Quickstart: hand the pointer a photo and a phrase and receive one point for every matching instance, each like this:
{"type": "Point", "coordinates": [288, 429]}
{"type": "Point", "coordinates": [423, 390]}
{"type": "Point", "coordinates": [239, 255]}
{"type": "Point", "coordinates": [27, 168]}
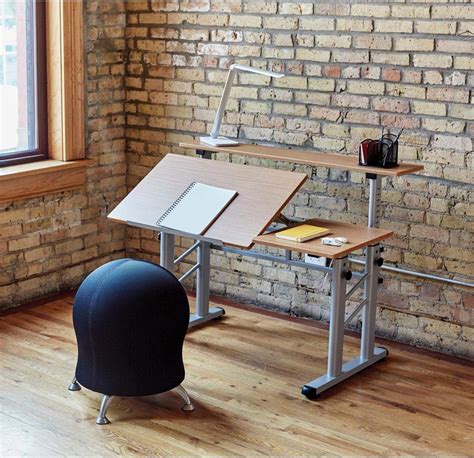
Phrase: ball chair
{"type": "Point", "coordinates": [130, 318]}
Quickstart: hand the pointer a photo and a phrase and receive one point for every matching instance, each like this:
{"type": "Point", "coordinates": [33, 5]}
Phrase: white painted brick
{"type": "Point", "coordinates": [316, 24]}
{"type": "Point", "coordinates": [432, 60]}
{"type": "Point", "coordinates": [393, 26]}
{"type": "Point", "coordinates": [370, 10]}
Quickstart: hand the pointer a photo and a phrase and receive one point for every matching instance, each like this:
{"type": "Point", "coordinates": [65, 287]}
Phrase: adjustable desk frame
{"type": "Point", "coordinates": [337, 371]}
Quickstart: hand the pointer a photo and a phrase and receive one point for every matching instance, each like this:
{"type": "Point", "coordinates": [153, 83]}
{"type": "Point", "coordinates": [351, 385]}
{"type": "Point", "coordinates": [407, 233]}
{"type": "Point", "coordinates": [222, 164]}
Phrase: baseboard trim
{"type": "Point", "coordinates": [37, 302]}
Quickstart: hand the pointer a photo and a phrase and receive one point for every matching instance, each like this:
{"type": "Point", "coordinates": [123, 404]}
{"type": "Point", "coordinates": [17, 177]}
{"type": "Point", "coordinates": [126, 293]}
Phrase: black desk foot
{"type": "Point", "coordinates": [309, 392]}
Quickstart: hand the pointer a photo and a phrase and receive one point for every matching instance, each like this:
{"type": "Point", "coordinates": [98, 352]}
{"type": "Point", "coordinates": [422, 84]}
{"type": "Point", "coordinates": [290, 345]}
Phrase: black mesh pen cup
{"type": "Point", "coordinates": [389, 151]}
{"type": "Point", "coordinates": [379, 153]}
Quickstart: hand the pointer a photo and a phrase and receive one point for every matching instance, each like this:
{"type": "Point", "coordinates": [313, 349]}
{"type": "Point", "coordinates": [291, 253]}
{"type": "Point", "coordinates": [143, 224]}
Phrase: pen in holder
{"type": "Point", "coordinates": [380, 153]}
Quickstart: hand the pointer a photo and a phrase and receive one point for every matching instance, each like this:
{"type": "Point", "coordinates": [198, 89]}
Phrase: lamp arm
{"type": "Point", "coordinates": [223, 102]}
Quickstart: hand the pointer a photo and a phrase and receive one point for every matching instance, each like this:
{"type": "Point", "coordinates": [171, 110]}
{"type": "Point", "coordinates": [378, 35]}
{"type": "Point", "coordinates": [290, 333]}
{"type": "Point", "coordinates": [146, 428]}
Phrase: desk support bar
{"type": "Point", "coordinates": [184, 255]}
{"type": "Point", "coordinates": [375, 188]}
{"type": "Point", "coordinates": [356, 286]}
{"type": "Point", "coordinates": [280, 259]}
{"type": "Point", "coordinates": [203, 312]}
{"type": "Point", "coordinates": [202, 279]}
{"type": "Point", "coordinates": [167, 251]}
{"type": "Point", "coordinates": [336, 324]}
{"type": "Point", "coordinates": [189, 272]}
{"type": "Point", "coordinates": [355, 312]}
{"type": "Point", "coordinates": [370, 310]}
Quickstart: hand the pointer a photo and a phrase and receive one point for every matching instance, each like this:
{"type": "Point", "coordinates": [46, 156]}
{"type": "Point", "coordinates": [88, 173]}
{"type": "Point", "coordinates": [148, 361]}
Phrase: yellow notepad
{"type": "Point", "coordinates": [302, 233]}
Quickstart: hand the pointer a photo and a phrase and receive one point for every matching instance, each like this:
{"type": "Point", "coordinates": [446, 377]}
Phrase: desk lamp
{"type": "Point", "coordinates": [214, 139]}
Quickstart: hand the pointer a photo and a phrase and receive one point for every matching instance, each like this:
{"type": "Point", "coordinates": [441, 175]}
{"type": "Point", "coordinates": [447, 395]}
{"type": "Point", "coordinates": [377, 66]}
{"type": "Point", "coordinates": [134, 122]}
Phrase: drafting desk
{"type": "Point", "coordinates": [369, 237]}
{"type": "Point", "coordinates": [258, 185]}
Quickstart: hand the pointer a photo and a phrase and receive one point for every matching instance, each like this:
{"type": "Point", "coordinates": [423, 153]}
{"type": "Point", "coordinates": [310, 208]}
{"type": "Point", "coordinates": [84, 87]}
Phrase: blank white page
{"type": "Point", "coordinates": [197, 208]}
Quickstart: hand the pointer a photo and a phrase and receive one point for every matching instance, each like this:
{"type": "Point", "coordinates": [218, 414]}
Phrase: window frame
{"type": "Point", "coordinates": [41, 95]}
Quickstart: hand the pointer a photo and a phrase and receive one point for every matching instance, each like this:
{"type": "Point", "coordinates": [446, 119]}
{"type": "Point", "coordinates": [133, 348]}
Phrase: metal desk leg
{"type": "Point", "coordinates": [375, 189]}
{"type": "Point", "coordinates": [336, 325]}
{"type": "Point", "coordinates": [167, 251]}
{"type": "Point", "coordinates": [203, 312]}
{"type": "Point", "coordinates": [368, 351]}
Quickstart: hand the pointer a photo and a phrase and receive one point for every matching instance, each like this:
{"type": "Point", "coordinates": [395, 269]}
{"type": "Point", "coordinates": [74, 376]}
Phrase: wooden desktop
{"type": "Point", "coordinates": [358, 237]}
{"type": "Point", "coordinates": [313, 158]}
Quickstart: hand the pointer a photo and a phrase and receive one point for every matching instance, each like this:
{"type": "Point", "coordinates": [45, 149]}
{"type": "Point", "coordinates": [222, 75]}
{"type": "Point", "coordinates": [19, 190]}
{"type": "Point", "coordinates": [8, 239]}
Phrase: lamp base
{"type": "Point", "coordinates": [219, 141]}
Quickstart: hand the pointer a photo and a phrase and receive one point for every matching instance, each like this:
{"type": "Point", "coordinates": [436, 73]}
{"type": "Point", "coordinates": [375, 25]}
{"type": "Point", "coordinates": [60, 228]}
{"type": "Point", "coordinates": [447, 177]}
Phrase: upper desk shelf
{"type": "Point", "coordinates": [313, 158]}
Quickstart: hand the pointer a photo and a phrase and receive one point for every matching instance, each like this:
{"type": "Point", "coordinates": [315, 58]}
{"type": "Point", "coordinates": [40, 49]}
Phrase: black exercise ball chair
{"type": "Point", "coordinates": [130, 319]}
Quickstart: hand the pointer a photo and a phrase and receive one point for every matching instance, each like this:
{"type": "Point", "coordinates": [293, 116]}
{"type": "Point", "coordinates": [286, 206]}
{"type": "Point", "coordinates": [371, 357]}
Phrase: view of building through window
{"type": "Point", "coordinates": [18, 130]}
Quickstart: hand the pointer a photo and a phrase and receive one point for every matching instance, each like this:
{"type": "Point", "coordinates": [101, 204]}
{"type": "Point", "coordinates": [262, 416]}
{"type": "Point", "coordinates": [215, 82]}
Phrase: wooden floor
{"type": "Point", "coordinates": [244, 373]}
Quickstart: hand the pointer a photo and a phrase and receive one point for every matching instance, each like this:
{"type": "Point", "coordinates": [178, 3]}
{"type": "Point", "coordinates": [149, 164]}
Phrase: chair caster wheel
{"type": "Point", "coordinates": [309, 392]}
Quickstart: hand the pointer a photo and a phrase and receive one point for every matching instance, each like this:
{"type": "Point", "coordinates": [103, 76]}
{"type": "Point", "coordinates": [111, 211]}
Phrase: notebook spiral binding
{"type": "Point", "coordinates": [175, 203]}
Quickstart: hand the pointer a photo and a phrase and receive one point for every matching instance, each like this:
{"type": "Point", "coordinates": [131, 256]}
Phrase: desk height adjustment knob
{"type": "Point", "coordinates": [348, 274]}
{"type": "Point", "coordinates": [380, 262]}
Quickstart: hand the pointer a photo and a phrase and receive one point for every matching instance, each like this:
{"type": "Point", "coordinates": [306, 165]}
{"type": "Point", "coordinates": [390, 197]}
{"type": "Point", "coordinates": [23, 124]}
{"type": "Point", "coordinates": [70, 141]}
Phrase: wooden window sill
{"type": "Point", "coordinates": [39, 178]}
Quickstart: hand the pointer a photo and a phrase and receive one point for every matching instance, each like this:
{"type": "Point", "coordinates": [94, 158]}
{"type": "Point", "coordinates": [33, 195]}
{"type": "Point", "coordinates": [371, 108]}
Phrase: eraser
{"type": "Point", "coordinates": [330, 241]}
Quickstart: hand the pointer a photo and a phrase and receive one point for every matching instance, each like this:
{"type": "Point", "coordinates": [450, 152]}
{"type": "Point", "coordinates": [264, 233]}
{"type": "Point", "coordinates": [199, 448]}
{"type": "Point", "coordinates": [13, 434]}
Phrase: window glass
{"type": "Point", "coordinates": [18, 77]}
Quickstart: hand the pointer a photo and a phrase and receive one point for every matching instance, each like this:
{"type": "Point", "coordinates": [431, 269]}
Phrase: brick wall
{"type": "Point", "coordinates": [50, 243]}
{"type": "Point", "coordinates": [352, 67]}
{"type": "Point", "coordinates": [155, 72]}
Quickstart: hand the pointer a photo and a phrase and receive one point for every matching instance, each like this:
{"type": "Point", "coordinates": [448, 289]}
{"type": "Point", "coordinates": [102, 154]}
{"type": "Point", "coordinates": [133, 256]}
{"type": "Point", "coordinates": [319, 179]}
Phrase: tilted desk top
{"type": "Point", "coordinates": [357, 236]}
{"type": "Point", "coordinates": [262, 195]}
{"type": "Point", "coordinates": [314, 158]}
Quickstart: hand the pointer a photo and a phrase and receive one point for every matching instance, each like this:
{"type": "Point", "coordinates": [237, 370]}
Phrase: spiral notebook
{"type": "Point", "coordinates": [196, 208]}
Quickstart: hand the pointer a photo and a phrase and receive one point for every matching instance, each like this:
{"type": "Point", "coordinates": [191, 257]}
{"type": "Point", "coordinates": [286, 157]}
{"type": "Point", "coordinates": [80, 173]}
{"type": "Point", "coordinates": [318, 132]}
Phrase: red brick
{"type": "Point", "coordinates": [391, 74]}
{"type": "Point", "coordinates": [332, 71]}
{"type": "Point", "coordinates": [391, 104]}
{"type": "Point", "coordinates": [468, 301]}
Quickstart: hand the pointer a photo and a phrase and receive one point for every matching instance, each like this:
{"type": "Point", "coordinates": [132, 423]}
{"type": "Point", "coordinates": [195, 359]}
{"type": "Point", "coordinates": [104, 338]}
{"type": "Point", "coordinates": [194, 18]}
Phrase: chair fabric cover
{"type": "Point", "coordinates": [130, 319]}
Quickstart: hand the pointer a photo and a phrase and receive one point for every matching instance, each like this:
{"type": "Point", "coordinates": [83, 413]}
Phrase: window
{"type": "Point", "coordinates": [23, 98]}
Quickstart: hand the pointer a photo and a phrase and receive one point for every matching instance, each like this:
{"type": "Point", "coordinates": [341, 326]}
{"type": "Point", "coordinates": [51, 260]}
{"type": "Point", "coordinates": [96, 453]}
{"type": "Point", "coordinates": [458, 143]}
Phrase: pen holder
{"type": "Point", "coordinates": [379, 153]}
